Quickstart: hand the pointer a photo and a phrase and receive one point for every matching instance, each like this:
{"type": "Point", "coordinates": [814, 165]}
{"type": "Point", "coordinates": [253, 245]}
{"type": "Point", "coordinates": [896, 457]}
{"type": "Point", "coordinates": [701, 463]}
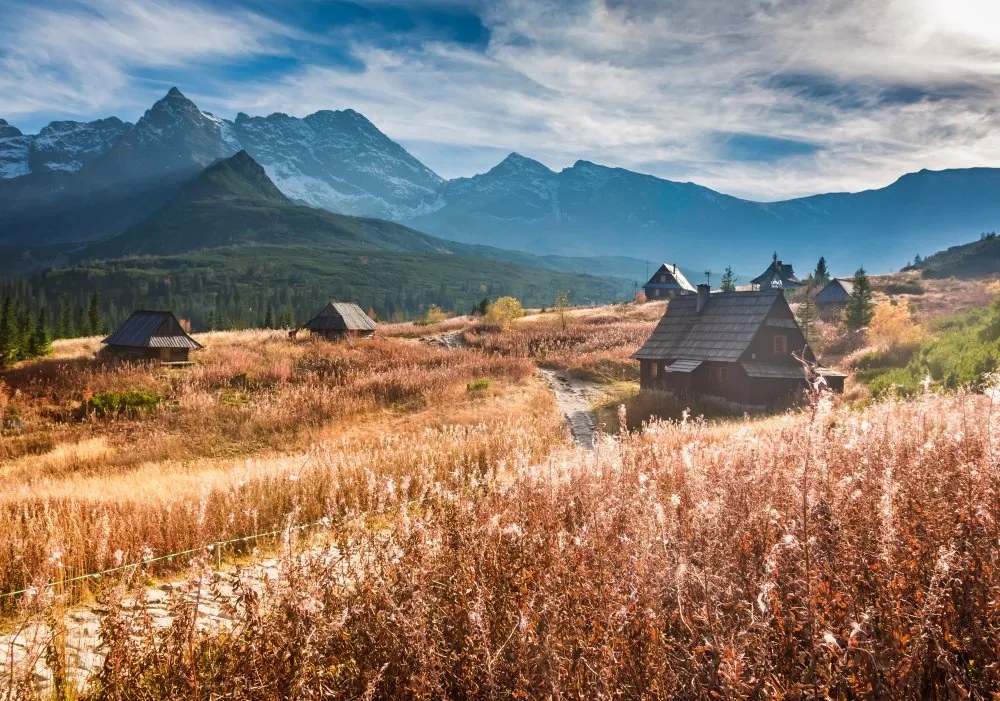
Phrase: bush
{"type": "Point", "coordinates": [481, 383]}
{"type": "Point", "coordinates": [904, 287]}
{"type": "Point", "coordinates": [505, 310]}
{"type": "Point", "coordinates": [129, 403]}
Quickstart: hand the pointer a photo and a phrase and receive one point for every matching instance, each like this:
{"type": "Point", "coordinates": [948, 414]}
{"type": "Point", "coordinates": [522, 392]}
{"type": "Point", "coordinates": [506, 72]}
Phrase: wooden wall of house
{"type": "Point", "coordinates": [762, 348]}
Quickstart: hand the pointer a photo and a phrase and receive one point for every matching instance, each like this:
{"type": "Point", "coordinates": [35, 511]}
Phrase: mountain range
{"type": "Point", "coordinates": [74, 183]}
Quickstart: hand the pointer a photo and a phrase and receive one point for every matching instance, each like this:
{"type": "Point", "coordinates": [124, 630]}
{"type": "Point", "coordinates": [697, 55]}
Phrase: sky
{"type": "Point", "coordinates": [765, 99]}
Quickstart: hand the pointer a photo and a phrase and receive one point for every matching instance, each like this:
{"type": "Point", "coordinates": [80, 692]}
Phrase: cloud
{"type": "Point", "coordinates": [76, 57]}
{"type": "Point", "coordinates": [765, 98]}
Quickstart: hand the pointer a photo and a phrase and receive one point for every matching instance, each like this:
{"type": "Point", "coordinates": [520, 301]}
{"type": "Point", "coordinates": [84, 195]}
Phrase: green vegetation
{"type": "Point", "coordinates": [904, 287]}
{"type": "Point", "coordinates": [821, 275]}
{"type": "Point", "coordinates": [24, 333]}
{"type": "Point", "coordinates": [860, 308]}
{"type": "Point", "coordinates": [966, 348]}
{"type": "Point", "coordinates": [971, 260]}
{"type": "Point", "coordinates": [234, 287]}
{"type": "Point", "coordinates": [481, 383]}
{"type": "Point", "coordinates": [129, 403]}
{"type": "Point", "coordinates": [728, 280]}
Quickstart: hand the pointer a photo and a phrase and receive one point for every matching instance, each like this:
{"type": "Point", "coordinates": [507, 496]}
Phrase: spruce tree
{"type": "Point", "coordinates": [8, 332]}
{"type": "Point", "coordinates": [821, 276]}
{"type": "Point", "coordinates": [860, 308]}
{"type": "Point", "coordinates": [269, 318]}
{"type": "Point", "coordinates": [728, 283]}
{"type": "Point", "coordinates": [41, 340]}
{"type": "Point", "coordinates": [807, 320]}
{"type": "Point", "coordinates": [94, 320]}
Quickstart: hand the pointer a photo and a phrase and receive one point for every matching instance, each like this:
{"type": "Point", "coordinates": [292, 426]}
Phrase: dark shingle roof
{"type": "Point", "coordinates": [341, 316]}
{"type": "Point", "coordinates": [148, 329]}
{"type": "Point", "coordinates": [835, 291]}
{"type": "Point", "coordinates": [790, 372]}
{"type": "Point", "coordinates": [722, 331]}
{"type": "Point", "coordinates": [675, 280]}
{"type": "Point", "coordinates": [777, 272]}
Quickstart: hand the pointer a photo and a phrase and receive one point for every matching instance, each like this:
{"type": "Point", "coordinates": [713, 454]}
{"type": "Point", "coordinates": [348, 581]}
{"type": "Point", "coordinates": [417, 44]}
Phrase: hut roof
{"type": "Point", "coordinates": [777, 272]}
{"type": "Point", "coordinates": [675, 279]}
{"type": "Point", "coordinates": [341, 316]}
{"type": "Point", "coordinates": [835, 291]}
{"type": "Point", "coordinates": [721, 331]}
{"type": "Point", "coordinates": [151, 329]}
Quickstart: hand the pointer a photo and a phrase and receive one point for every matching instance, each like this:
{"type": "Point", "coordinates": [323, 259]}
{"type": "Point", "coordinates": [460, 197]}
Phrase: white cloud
{"type": "Point", "coordinates": [882, 87]}
{"type": "Point", "coordinates": [81, 57]}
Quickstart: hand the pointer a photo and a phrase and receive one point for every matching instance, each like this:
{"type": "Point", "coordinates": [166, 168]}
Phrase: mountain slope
{"type": "Point", "coordinates": [594, 210]}
{"type": "Point", "coordinates": [978, 259]}
{"type": "Point", "coordinates": [233, 202]}
{"type": "Point", "coordinates": [339, 161]}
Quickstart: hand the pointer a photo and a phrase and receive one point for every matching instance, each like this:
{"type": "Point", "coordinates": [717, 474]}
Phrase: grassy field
{"type": "Point", "coordinates": [841, 550]}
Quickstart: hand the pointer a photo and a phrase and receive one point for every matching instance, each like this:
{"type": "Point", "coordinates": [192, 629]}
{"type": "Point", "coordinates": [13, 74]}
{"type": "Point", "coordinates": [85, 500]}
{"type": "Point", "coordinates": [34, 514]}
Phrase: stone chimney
{"type": "Point", "coordinates": [703, 291]}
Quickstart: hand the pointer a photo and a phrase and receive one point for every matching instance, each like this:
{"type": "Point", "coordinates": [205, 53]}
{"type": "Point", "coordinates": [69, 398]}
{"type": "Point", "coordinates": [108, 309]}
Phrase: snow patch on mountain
{"type": "Point", "coordinates": [13, 151]}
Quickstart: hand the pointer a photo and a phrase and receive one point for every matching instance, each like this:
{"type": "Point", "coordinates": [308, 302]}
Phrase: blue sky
{"type": "Point", "coordinates": [763, 98]}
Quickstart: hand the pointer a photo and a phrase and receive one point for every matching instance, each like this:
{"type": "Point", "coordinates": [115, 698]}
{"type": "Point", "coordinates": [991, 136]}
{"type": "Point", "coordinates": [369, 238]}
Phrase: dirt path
{"type": "Point", "coordinates": [573, 396]}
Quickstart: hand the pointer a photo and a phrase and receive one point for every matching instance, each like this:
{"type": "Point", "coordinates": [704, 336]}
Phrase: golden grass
{"type": "Point", "coordinates": [819, 554]}
{"type": "Point", "coordinates": [214, 459]}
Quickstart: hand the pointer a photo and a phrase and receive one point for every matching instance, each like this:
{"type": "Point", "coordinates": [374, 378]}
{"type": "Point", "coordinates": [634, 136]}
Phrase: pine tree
{"type": "Point", "coordinates": [64, 327]}
{"type": "Point", "coordinates": [94, 320]}
{"type": "Point", "coordinates": [858, 313]}
{"type": "Point", "coordinates": [269, 318]}
{"type": "Point", "coordinates": [41, 340]}
{"type": "Point", "coordinates": [728, 283]}
{"type": "Point", "coordinates": [807, 320]}
{"type": "Point", "coordinates": [7, 333]}
{"type": "Point", "coordinates": [822, 274]}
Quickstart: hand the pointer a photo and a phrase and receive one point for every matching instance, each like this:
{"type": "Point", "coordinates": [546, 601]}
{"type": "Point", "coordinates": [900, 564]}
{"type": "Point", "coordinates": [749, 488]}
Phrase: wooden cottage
{"type": "Point", "coordinates": [778, 276]}
{"type": "Point", "coordinates": [831, 300]}
{"type": "Point", "coordinates": [151, 335]}
{"type": "Point", "coordinates": [340, 319]}
{"type": "Point", "coordinates": [733, 346]}
{"type": "Point", "coordinates": [668, 282]}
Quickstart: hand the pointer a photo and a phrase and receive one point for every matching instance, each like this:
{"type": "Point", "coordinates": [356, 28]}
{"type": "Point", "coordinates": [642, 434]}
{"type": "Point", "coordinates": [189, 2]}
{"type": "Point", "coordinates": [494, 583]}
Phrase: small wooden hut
{"type": "Point", "coordinates": [340, 319]}
{"type": "Point", "coordinates": [831, 300]}
{"type": "Point", "coordinates": [667, 282]}
{"type": "Point", "coordinates": [151, 335]}
{"type": "Point", "coordinates": [732, 346]}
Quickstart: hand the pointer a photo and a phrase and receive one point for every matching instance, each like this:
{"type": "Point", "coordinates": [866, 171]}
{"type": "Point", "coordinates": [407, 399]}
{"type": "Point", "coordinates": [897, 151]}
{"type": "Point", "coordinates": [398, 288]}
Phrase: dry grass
{"type": "Point", "coordinates": [594, 344]}
{"type": "Point", "coordinates": [823, 554]}
{"type": "Point", "coordinates": [104, 490]}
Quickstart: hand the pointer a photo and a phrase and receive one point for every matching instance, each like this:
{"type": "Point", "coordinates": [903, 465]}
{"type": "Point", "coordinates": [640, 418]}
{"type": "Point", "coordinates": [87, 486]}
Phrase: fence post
{"type": "Point", "coordinates": [218, 556]}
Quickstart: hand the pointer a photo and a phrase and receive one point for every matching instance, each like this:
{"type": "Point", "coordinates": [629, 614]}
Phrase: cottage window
{"type": "Point", "coordinates": [719, 375]}
{"type": "Point", "coordinates": [780, 345]}
{"type": "Point", "coordinates": [654, 368]}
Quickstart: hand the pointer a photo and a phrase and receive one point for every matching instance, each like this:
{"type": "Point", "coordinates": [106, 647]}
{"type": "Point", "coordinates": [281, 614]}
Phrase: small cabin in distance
{"type": "Point", "coordinates": [778, 276]}
{"type": "Point", "coordinates": [667, 282]}
{"type": "Point", "coordinates": [339, 320]}
{"type": "Point", "coordinates": [733, 346]}
{"type": "Point", "coordinates": [151, 335]}
{"type": "Point", "coordinates": [831, 300]}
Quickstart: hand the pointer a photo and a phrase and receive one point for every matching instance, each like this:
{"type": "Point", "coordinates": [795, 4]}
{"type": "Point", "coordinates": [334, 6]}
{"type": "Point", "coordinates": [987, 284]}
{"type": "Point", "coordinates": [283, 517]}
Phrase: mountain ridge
{"type": "Point", "coordinates": [339, 160]}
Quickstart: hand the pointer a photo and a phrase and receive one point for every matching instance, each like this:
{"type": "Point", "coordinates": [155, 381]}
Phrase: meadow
{"type": "Point", "coordinates": [842, 550]}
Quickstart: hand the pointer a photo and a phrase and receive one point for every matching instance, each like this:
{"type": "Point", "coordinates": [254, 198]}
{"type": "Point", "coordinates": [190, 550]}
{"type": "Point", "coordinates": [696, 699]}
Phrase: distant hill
{"type": "Point", "coordinates": [230, 245]}
{"type": "Point", "coordinates": [978, 259]}
{"type": "Point", "coordinates": [595, 210]}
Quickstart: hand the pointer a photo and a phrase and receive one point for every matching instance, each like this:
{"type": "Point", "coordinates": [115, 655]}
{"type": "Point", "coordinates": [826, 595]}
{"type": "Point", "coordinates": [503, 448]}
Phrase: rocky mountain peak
{"type": "Point", "coordinates": [8, 131]}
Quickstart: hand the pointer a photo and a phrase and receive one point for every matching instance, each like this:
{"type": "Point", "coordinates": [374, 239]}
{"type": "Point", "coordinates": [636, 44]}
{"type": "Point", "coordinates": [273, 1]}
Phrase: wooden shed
{"type": "Point", "coordinates": [667, 282]}
{"type": "Point", "coordinates": [340, 319]}
{"type": "Point", "coordinates": [733, 346]}
{"type": "Point", "coordinates": [831, 300]}
{"type": "Point", "coordinates": [778, 276]}
{"type": "Point", "coordinates": [151, 335]}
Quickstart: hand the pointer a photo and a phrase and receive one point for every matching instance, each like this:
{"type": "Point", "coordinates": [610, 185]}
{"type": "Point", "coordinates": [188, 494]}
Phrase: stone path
{"type": "Point", "coordinates": [214, 595]}
{"type": "Point", "coordinates": [573, 397]}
